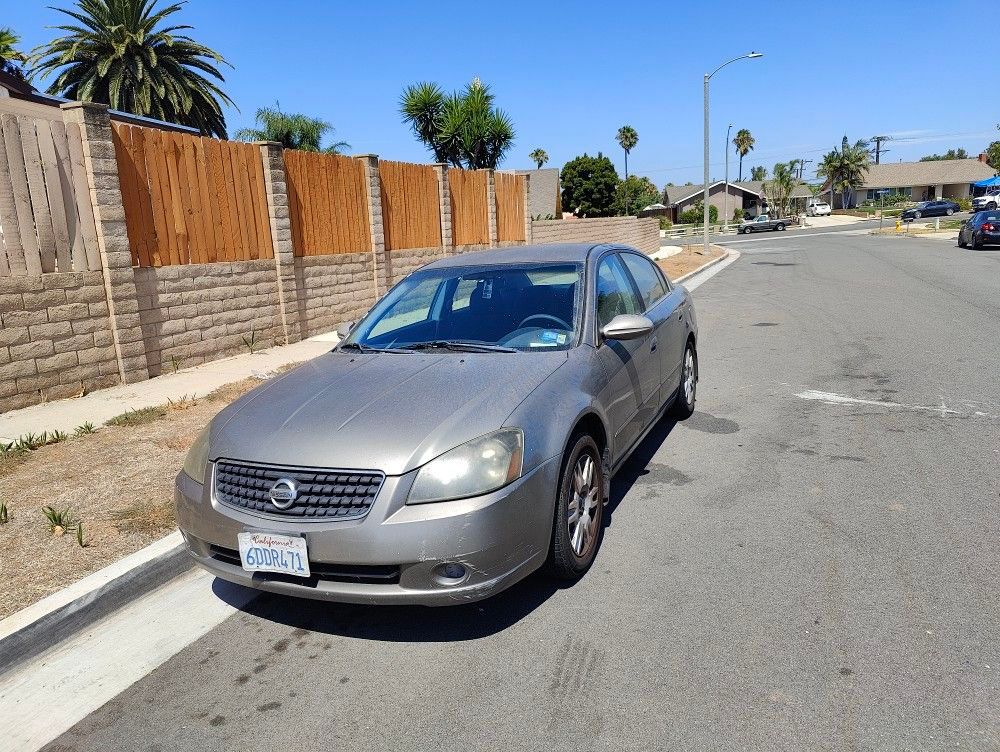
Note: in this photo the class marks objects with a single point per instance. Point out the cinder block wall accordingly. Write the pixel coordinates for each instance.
(55, 338)
(333, 289)
(643, 234)
(200, 312)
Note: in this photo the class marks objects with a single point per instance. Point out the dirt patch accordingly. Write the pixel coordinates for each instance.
(689, 259)
(118, 483)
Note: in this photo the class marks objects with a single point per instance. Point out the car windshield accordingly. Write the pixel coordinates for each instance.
(511, 307)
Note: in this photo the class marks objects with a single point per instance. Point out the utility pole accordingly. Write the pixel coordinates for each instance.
(802, 165)
(878, 146)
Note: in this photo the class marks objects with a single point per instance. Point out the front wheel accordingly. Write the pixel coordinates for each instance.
(579, 511)
(780, 227)
(683, 407)
(991, 205)
(917, 215)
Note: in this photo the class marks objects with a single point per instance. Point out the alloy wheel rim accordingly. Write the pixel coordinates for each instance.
(583, 505)
(689, 382)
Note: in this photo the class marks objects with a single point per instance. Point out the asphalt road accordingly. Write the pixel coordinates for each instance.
(809, 563)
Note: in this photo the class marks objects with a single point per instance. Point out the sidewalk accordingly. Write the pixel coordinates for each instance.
(100, 406)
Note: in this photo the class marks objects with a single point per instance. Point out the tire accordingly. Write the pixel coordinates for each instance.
(780, 227)
(917, 215)
(950, 212)
(975, 244)
(991, 205)
(962, 243)
(687, 393)
(569, 558)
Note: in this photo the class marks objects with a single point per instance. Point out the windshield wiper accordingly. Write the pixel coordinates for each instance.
(445, 344)
(369, 349)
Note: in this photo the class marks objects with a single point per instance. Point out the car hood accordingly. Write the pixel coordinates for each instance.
(378, 411)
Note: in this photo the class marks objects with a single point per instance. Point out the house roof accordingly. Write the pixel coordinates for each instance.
(675, 194)
(936, 172)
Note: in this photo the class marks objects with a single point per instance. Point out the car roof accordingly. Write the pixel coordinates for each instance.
(521, 254)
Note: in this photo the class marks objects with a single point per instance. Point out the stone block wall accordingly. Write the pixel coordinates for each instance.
(640, 233)
(200, 312)
(408, 260)
(55, 338)
(333, 289)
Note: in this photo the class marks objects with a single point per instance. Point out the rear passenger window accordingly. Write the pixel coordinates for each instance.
(646, 278)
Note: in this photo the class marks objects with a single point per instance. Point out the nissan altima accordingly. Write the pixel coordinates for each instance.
(462, 435)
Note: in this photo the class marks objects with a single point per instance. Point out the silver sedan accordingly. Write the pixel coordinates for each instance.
(462, 435)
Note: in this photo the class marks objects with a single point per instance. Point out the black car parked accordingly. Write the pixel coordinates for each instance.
(981, 229)
(931, 209)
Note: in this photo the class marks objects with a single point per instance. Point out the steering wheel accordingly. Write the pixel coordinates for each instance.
(562, 324)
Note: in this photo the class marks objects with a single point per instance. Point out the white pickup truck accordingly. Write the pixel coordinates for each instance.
(987, 202)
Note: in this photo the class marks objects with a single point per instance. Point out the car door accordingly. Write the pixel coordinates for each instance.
(631, 367)
(663, 306)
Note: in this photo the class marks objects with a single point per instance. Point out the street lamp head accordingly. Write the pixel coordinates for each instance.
(755, 54)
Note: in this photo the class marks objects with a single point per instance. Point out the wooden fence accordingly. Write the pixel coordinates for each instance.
(510, 207)
(190, 199)
(327, 203)
(470, 214)
(411, 205)
(46, 214)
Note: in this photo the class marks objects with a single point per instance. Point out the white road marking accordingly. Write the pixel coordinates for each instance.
(48, 695)
(701, 278)
(832, 398)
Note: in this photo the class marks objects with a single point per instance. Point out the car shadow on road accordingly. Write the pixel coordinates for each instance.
(446, 624)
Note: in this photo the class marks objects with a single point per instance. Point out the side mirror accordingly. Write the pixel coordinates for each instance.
(627, 326)
(344, 329)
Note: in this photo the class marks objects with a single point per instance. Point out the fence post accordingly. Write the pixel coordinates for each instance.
(381, 263)
(276, 188)
(527, 209)
(491, 203)
(112, 237)
(444, 199)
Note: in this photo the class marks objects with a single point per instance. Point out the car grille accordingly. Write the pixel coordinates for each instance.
(322, 495)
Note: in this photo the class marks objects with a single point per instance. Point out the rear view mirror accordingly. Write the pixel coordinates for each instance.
(627, 326)
(344, 329)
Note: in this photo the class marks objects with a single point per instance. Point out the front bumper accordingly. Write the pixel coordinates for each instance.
(498, 538)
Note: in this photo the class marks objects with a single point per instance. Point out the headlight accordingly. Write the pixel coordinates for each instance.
(472, 469)
(197, 457)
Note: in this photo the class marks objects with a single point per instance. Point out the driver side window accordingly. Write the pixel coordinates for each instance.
(615, 294)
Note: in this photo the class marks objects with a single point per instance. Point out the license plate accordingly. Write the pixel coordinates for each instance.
(270, 552)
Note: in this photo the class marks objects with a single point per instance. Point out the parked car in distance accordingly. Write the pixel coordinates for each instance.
(988, 201)
(762, 223)
(462, 434)
(982, 228)
(818, 209)
(931, 209)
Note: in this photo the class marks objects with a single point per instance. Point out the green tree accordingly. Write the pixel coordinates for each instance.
(758, 173)
(779, 188)
(120, 53)
(743, 142)
(589, 185)
(539, 157)
(8, 46)
(635, 192)
(696, 214)
(950, 154)
(844, 169)
(627, 139)
(463, 128)
(993, 155)
(292, 130)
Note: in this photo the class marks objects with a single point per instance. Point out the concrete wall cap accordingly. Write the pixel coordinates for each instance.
(84, 105)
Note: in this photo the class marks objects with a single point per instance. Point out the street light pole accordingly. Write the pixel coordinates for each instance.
(708, 77)
(725, 213)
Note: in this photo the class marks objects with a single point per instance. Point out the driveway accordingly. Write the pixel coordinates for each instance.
(810, 562)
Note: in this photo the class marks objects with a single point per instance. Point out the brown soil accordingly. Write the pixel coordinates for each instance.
(118, 483)
(689, 259)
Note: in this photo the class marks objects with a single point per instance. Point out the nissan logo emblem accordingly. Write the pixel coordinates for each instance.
(283, 493)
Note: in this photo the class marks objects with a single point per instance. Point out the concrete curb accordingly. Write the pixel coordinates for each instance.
(42, 625)
(703, 267)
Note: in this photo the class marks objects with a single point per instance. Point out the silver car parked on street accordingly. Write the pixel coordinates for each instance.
(461, 436)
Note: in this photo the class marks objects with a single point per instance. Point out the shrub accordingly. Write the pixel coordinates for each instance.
(665, 223)
(696, 215)
(965, 204)
(59, 520)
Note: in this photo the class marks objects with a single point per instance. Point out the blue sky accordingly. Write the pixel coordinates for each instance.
(570, 74)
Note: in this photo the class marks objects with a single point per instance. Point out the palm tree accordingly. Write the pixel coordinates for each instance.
(120, 53)
(743, 142)
(845, 169)
(627, 139)
(539, 157)
(758, 173)
(292, 130)
(462, 129)
(8, 46)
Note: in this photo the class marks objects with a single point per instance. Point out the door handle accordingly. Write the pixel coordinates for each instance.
(680, 315)
(652, 347)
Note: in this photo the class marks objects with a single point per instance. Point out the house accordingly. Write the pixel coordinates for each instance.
(544, 198)
(747, 196)
(923, 181)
